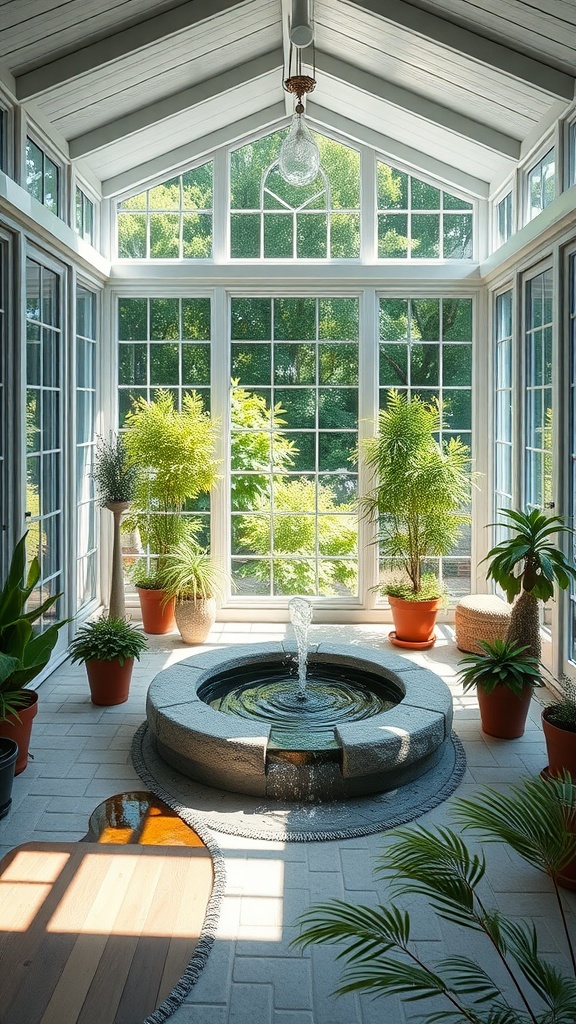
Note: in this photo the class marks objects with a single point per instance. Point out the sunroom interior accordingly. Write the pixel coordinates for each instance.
(148, 242)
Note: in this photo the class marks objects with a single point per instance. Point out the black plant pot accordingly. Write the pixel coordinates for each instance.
(8, 755)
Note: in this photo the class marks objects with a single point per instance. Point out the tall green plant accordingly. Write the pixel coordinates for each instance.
(421, 485)
(176, 452)
(537, 821)
(115, 477)
(528, 565)
(23, 653)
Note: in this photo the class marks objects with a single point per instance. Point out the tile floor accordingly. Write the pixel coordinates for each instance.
(81, 755)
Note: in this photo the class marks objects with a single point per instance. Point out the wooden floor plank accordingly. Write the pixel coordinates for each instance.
(109, 933)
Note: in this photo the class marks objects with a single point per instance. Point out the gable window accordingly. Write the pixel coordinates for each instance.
(541, 183)
(84, 216)
(419, 221)
(42, 177)
(170, 221)
(270, 219)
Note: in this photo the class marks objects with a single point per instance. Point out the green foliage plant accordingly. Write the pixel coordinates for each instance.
(562, 712)
(24, 653)
(258, 445)
(107, 639)
(421, 486)
(191, 574)
(501, 661)
(114, 475)
(537, 820)
(528, 565)
(176, 452)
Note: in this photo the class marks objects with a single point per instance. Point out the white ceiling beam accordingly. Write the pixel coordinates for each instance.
(475, 46)
(177, 159)
(420, 106)
(323, 117)
(186, 99)
(121, 44)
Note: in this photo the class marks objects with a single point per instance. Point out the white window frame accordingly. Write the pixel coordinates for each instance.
(91, 194)
(31, 133)
(528, 165)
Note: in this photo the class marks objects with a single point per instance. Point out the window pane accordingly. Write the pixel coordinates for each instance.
(425, 236)
(50, 185)
(34, 170)
(131, 236)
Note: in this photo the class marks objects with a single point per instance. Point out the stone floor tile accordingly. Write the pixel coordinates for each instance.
(251, 1003)
(290, 979)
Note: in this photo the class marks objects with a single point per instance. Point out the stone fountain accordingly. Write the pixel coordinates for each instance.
(319, 722)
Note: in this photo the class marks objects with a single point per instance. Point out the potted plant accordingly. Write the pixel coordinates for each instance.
(506, 979)
(194, 580)
(559, 725)
(527, 565)
(504, 675)
(8, 755)
(108, 647)
(175, 450)
(115, 479)
(24, 653)
(421, 488)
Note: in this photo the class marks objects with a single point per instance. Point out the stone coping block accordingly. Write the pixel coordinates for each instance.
(231, 753)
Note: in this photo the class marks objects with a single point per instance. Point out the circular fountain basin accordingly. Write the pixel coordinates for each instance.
(389, 748)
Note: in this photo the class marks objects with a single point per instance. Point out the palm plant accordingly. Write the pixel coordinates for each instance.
(421, 487)
(537, 820)
(501, 662)
(527, 565)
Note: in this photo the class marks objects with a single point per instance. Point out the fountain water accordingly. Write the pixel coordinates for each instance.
(301, 616)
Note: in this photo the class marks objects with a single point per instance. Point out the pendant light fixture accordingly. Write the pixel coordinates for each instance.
(299, 161)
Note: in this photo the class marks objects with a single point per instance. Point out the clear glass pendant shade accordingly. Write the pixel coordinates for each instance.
(299, 157)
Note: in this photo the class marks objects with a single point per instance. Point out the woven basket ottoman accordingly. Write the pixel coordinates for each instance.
(480, 617)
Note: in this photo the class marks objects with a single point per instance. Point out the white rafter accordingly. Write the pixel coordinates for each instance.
(186, 99)
(420, 106)
(120, 44)
(461, 40)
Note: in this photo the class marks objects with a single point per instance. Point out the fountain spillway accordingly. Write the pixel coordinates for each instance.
(361, 750)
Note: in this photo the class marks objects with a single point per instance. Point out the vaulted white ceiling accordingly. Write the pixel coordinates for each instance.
(141, 85)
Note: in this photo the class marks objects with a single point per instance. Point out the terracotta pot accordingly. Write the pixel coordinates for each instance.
(195, 619)
(561, 748)
(20, 731)
(157, 614)
(503, 714)
(414, 621)
(109, 681)
(8, 755)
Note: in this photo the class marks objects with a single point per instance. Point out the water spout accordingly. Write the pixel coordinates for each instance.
(301, 616)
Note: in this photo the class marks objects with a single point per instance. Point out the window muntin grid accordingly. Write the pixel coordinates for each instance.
(426, 349)
(171, 221)
(538, 391)
(294, 431)
(44, 433)
(417, 220)
(42, 177)
(541, 185)
(86, 515)
(165, 343)
(503, 434)
(271, 219)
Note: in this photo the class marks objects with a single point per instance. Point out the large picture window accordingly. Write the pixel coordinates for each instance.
(426, 349)
(294, 423)
(538, 391)
(171, 221)
(86, 515)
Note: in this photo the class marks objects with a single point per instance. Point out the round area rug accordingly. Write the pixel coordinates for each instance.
(258, 818)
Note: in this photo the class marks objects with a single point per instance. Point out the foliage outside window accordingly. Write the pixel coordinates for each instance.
(426, 350)
(86, 517)
(270, 219)
(164, 345)
(170, 221)
(84, 216)
(504, 220)
(294, 424)
(503, 441)
(42, 177)
(538, 391)
(541, 182)
(416, 220)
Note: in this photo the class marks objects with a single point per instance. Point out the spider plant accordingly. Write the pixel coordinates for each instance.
(537, 821)
(190, 573)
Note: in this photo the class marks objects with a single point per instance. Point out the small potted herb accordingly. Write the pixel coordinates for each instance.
(108, 647)
(504, 675)
(195, 580)
(559, 725)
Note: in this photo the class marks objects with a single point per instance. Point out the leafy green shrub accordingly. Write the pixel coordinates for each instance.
(115, 477)
(107, 639)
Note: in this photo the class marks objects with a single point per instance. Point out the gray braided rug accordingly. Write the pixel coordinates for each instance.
(257, 818)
